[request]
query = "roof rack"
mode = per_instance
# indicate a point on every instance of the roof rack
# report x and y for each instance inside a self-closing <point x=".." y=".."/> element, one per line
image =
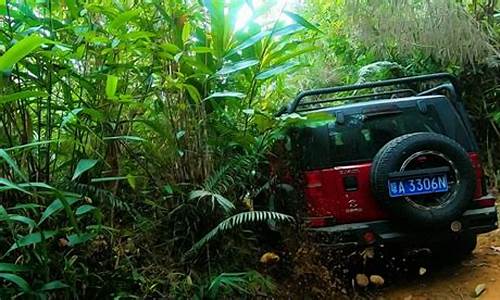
<point x="452" y="88"/>
<point x="356" y="97"/>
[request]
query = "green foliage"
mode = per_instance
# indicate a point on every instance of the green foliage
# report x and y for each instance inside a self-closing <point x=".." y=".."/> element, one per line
<point x="104" y="105"/>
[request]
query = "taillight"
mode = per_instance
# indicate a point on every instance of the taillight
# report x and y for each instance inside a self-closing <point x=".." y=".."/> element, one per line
<point x="485" y="201"/>
<point x="313" y="179"/>
<point x="369" y="237"/>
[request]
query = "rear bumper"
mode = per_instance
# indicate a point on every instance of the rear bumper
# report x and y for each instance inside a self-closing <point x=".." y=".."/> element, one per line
<point x="478" y="221"/>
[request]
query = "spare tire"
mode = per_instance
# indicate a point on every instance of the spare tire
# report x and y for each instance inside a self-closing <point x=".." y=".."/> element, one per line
<point x="417" y="153"/>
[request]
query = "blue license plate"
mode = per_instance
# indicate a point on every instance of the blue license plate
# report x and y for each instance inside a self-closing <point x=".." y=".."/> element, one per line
<point x="418" y="185"/>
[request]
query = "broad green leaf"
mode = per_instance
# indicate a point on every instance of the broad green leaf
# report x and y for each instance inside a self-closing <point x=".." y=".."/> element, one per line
<point x="20" y="95"/>
<point x="231" y="68"/>
<point x="32" y="239"/>
<point x="186" y="32"/>
<point x="131" y="181"/>
<point x="274" y="71"/>
<point x="54" y="285"/>
<point x="249" y="42"/>
<point x="21" y="49"/>
<point x="193" y="92"/>
<point x="302" y="21"/>
<point x="17" y="280"/>
<point x="219" y="31"/>
<point x="122" y="19"/>
<point x="12" y="164"/>
<point x="83" y="166"/>
<point x="81" y="210"/>
<point x="226" y="94"/>
<point x="14" y="268"/>
<point x="111" y="85"/>
<point x="54" y="208"/>
<point x="75" y="239"/>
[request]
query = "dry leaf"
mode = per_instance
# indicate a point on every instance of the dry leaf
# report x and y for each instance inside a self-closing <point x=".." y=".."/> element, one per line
<point x="62" y="242"/>
<point x="269" y="257"/>
<point x="368" y="253"/>
<point x="479" y="289"/>
<point x="362" y="280"/>
<point x="377" y="280"/>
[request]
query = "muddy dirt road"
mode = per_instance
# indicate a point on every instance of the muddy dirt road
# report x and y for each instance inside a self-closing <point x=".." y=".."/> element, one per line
<point x="457" y="281"/>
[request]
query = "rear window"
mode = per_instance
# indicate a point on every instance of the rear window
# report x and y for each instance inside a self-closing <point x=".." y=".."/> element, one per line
<point x="360" y="137"/>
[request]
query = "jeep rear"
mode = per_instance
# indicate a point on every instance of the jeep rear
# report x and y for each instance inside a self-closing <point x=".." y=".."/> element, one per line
<point x="397" y="165"/>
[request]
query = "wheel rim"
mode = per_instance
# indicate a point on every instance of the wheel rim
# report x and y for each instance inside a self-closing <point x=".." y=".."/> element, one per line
<point x="426" y="159"/>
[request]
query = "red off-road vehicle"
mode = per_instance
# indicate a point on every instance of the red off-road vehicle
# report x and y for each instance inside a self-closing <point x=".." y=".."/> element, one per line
<point x="398" y="165"/>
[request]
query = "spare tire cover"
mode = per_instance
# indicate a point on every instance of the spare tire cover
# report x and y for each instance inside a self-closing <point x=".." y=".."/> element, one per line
<point x="424" y="151"/>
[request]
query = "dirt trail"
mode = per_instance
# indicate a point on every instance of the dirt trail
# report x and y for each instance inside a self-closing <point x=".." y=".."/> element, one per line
<point x="457" y="281"/>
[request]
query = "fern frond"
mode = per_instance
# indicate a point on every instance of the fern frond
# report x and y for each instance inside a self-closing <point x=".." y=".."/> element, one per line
<point x="239" y="219"/>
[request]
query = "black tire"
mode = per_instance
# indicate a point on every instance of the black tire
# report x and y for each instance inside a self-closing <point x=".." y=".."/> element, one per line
<point x="390" y="158"/>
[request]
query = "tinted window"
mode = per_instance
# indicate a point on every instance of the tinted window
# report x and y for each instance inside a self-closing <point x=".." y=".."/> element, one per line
<point x="360" y="136"/>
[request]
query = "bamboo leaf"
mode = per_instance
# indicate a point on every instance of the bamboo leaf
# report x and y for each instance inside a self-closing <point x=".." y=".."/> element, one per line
<point x="287" y="30"/>
<point x="274" y="71"/>
<point x="83" y="166"/>
<point x="32" y="239"/>
<point x="17" y="280"/>
<point x="34" y="144"/>
<point x="124" y="137"/>
<point x="54" y="285"/>
<point x="249" y="42"/>
<point x="225" y="94"/>
<point x="81" y="210"/>
<point x="20" y="50"/>
<point x="75" y="239"/>
<point x="13" y="268"/>
<point x="54" y="208"/>
<point x="302" y="21"/>
<point x="231" y="68"/>
<point x="8" y="185"/>
<point x="18" y="218"/>
<point x="20" y="95"/>
<point x="106" y="179"/>
<point x="12" y="164"/>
